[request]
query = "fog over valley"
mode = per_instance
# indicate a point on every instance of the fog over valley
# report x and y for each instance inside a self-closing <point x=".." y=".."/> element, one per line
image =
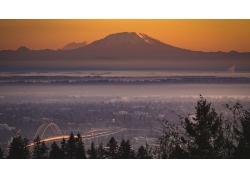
<point x="127" y="92"/>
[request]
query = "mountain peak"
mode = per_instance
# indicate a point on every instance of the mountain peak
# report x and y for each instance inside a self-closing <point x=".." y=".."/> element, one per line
<point x="128" y="38"/>
<point x="23" y="49"/>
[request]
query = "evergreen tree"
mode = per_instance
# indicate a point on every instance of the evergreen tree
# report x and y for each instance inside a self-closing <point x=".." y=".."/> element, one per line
<point x="71" y="147"/>
<point x="40" y="150"/>
<point x="132" y="155"/>
<point x="55" y="151"/>
<point x="1" y="153"/>
<point x="80" y="149"/>
<point x="92" y="152"/>
<point x="19" y="148"/>
<point x="241" y="133"/>
<point x="205" y="132"/>
<point x="63" y="149"/>
<point x="130" y="151"/>
<point x="112" y="149"/>
<point x="44" y="150"/>
<point x="200" y="137"/>
<point x="125" y="151"/>
<point x="144" y="153"/>
<point x="122" y="150"/>
<point x="36" y="148"/>
<point x="101" y="152"/>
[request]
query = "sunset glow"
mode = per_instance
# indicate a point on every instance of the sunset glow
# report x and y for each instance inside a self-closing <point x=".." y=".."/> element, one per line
<point x="200" y="35"/>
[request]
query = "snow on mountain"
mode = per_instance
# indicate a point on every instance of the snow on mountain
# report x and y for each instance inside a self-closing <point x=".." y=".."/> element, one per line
<point x="75" y="45"/>
<point x="130" y="45"/>
<point x="127" y="38"/>
<point x="148" y="39"/>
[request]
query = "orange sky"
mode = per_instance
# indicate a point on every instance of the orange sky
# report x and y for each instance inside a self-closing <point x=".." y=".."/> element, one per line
<point x="204" y="35"/>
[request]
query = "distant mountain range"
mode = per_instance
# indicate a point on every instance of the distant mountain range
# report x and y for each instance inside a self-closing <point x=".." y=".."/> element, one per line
<point x="75" y="45"/>
<point x="126" y="50"/>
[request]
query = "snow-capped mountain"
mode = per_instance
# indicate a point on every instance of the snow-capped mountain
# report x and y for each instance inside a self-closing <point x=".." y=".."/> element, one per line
<point x="75" y="45"/>
<point x="124" y="50"/>
<point x="127" y="38"/>
<point x="130" y="45"/>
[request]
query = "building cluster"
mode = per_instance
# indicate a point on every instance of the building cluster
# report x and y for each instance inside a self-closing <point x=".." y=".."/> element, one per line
<point x="25" y="118"/>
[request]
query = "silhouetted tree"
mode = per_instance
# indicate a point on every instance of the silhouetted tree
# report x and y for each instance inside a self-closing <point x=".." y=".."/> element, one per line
<point x="205" y="132"/>
<point x="55" y="151"/>
<point x="40" y="150"/>
<point x="122" y="149"/>
<point x="199" y="137"/>
<point x="241" y="132"/>
<point x="19" y="148"/>
<point x="112" y="149"/>
<point x="71" y="147"/>
<point x="63" y="149"/>
<point x="44" y="150"/>
<point x="1" y="153"/>
<point x="178" y="153"/>
<point x="169" y="138"/>
<point x="125" y="151"/>
<point x="80" y="149"/>
<point x="132" y="155"/>
<point x="144" y="153"/>
<point x="36" y="148"/>
<point x="101" y="152"/>
<point x="92" y="152"/>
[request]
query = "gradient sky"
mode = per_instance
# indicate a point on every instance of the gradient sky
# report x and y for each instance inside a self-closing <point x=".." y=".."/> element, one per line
<point x="203" y="35"/>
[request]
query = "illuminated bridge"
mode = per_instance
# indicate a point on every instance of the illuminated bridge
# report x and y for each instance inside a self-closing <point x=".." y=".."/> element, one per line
<point x="94" y="135"/>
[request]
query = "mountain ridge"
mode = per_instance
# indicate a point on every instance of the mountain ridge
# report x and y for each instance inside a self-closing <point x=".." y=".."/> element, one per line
<point x="75" y="45"/>
<point x="142" y="35"/>
<point x="125" y="50"/>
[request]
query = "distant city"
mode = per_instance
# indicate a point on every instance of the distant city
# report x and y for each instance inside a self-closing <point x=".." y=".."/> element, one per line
<point x="120" y="80"/>
<point x="26" y="118"/>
